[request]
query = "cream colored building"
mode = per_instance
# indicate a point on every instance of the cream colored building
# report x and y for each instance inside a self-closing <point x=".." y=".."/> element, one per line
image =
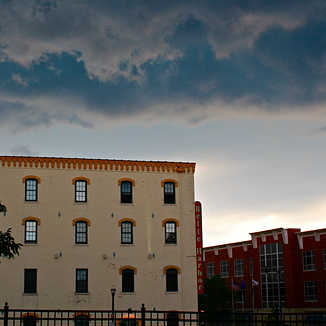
<point x="88" y="225"/>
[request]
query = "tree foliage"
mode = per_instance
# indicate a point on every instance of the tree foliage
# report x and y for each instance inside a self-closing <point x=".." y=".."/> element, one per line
<point x="8" y="247"/>
<point x="217" y="297"/>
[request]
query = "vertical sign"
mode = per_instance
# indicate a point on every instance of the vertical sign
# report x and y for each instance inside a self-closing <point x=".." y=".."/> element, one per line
<point x="199" y="248"/>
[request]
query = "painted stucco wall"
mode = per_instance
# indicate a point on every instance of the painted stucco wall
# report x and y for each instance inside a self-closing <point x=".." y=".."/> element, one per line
<point x="56" y="256"/>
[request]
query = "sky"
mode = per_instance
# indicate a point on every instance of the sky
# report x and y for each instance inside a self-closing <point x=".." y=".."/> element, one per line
<point x="236" y="86"/>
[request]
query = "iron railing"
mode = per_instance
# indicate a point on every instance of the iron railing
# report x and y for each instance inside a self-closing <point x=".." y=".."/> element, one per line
<point x="143" y="317"/>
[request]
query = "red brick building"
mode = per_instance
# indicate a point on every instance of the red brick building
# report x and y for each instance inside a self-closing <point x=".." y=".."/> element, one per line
<point x="279" y="267"/>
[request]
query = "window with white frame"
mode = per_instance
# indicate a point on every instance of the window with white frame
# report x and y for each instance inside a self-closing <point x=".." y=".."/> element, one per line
<point x="30" y="231"/>
<point x="170" y="232"/>
<point x="80" y="191"/>
<point x="238" y="267"/>
<point x="81" y="232"/>
<point x="126" y="232"/>
<point x="310" y="291"/>
<point x="309" y="260"/>
<point x="210" y="270"/>
<point x="31" y="189"/>
<point x="224" y="268"/>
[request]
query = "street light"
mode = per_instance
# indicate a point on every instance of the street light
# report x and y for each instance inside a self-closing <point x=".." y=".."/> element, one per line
<point x="113" y="291"/>
<point x="278" y="271"/>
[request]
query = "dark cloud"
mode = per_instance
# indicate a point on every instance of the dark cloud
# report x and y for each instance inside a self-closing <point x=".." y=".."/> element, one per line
<point x="158" y="58"/>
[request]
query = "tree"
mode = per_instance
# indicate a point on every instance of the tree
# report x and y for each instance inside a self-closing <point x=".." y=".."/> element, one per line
<point x="8" y="247"/>
<point x="217" y="297"/>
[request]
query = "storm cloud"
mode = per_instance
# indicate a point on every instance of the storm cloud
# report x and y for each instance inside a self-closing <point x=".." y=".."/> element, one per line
<point x="85" y="62"/>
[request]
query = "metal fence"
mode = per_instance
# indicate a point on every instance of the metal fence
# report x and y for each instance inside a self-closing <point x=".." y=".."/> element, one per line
<point x="143" y="317"/>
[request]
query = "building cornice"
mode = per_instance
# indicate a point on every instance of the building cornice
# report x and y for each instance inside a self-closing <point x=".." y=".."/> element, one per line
<point x="95" y="164"/>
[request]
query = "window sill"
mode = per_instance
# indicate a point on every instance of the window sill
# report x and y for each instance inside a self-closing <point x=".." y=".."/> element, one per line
<point x="127" y="204"/>
<point x="82" y="293"/>
<point x="172" y="292"/>
<point x="81" y="244"/>
<point x="170" y="244"/>
<point x="30" y="294"/>
<point x="27" y="244"/>
<point x="31" y="202"/>
<point x="128" y="293"/>
<point x="127" y="245"/>
<point x="80" y="203"/>
<point x="169" y="204"/>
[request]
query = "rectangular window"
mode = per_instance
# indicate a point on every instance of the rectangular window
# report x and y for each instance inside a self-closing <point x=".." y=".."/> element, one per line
<point x="30" y="232"/>
<point x="126" y="232"/>
<point x="81" y="280"/>
<point x="238" y="267"/>
<point x="128" y="283"/>
<point x="171" y="280"/>
<point x="31" y="190"/>
<point x="272" y="276"/>
<point x="250" y="266"/>
<point x="169" y="192"/>
<point x="80" y="191"/>
<point x="224" y="268"/>
<point x="310" y="291"/>
<point x="126" y="192"/>
<point x="170" y="233"/>
<point x="81" y="232"/>
<point x="30" y="276"/>
<point x="210" y="270"/>
<point x="309" y="260"/>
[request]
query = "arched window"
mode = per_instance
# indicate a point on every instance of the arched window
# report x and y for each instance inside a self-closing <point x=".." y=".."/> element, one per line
<point x="169" y="191"/>
<point x="81" y="236"/>
<point x="80" y="191"/>
<point x="29" y="320"/>
<point x="172" y="318"/>
<point x="126" y="232"/>
<point x="31" y="189"/>
<point x="170" y="232"/>
<point x="126" y="192"/>
<point x="31" y="231"/>
<point x="128" y="278"/>
<point x="171" y="273"/>
<point x="82" y="320"/>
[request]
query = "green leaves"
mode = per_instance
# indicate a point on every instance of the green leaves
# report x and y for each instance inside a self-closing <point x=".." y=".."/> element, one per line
<point x="8" y="247"/>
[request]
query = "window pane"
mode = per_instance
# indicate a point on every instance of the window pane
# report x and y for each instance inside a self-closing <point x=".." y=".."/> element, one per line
<point x="126" y="192"/>
<point x="170" y="232"/>
<point x="81" y="232"/>
<point x="171" y="280"/>
<point x="169" y="193"/>
<point x="127" y="280"/>
<point x="80" y="191"/>
<point x="81" y="280"/>
<point x="210" y="270"/>
<point x="31" y="190"/>
<point x="309" y="260"/>
<point x="126" y="232"/>
<point x="30" y="232"/>
<point x="30" y="281"/>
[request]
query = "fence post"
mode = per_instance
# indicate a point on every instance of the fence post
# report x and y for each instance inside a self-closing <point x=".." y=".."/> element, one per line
<point x="143" y="309"/>
<point x="277" y="316"/>
<point x="5" y="319"/>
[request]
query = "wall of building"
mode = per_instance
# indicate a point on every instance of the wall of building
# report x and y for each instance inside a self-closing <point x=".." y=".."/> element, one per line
<point x="294" y="244"/>
<point x="56" y="256"/>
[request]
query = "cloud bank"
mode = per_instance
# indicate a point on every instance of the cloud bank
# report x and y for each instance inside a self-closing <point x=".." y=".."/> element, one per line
<point x="92" y="62"/>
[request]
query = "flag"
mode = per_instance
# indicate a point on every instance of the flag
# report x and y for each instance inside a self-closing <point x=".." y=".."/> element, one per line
<point x="236" y="286"/>
<point x="243" y="285"/>
<point x="254" y="282"/>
